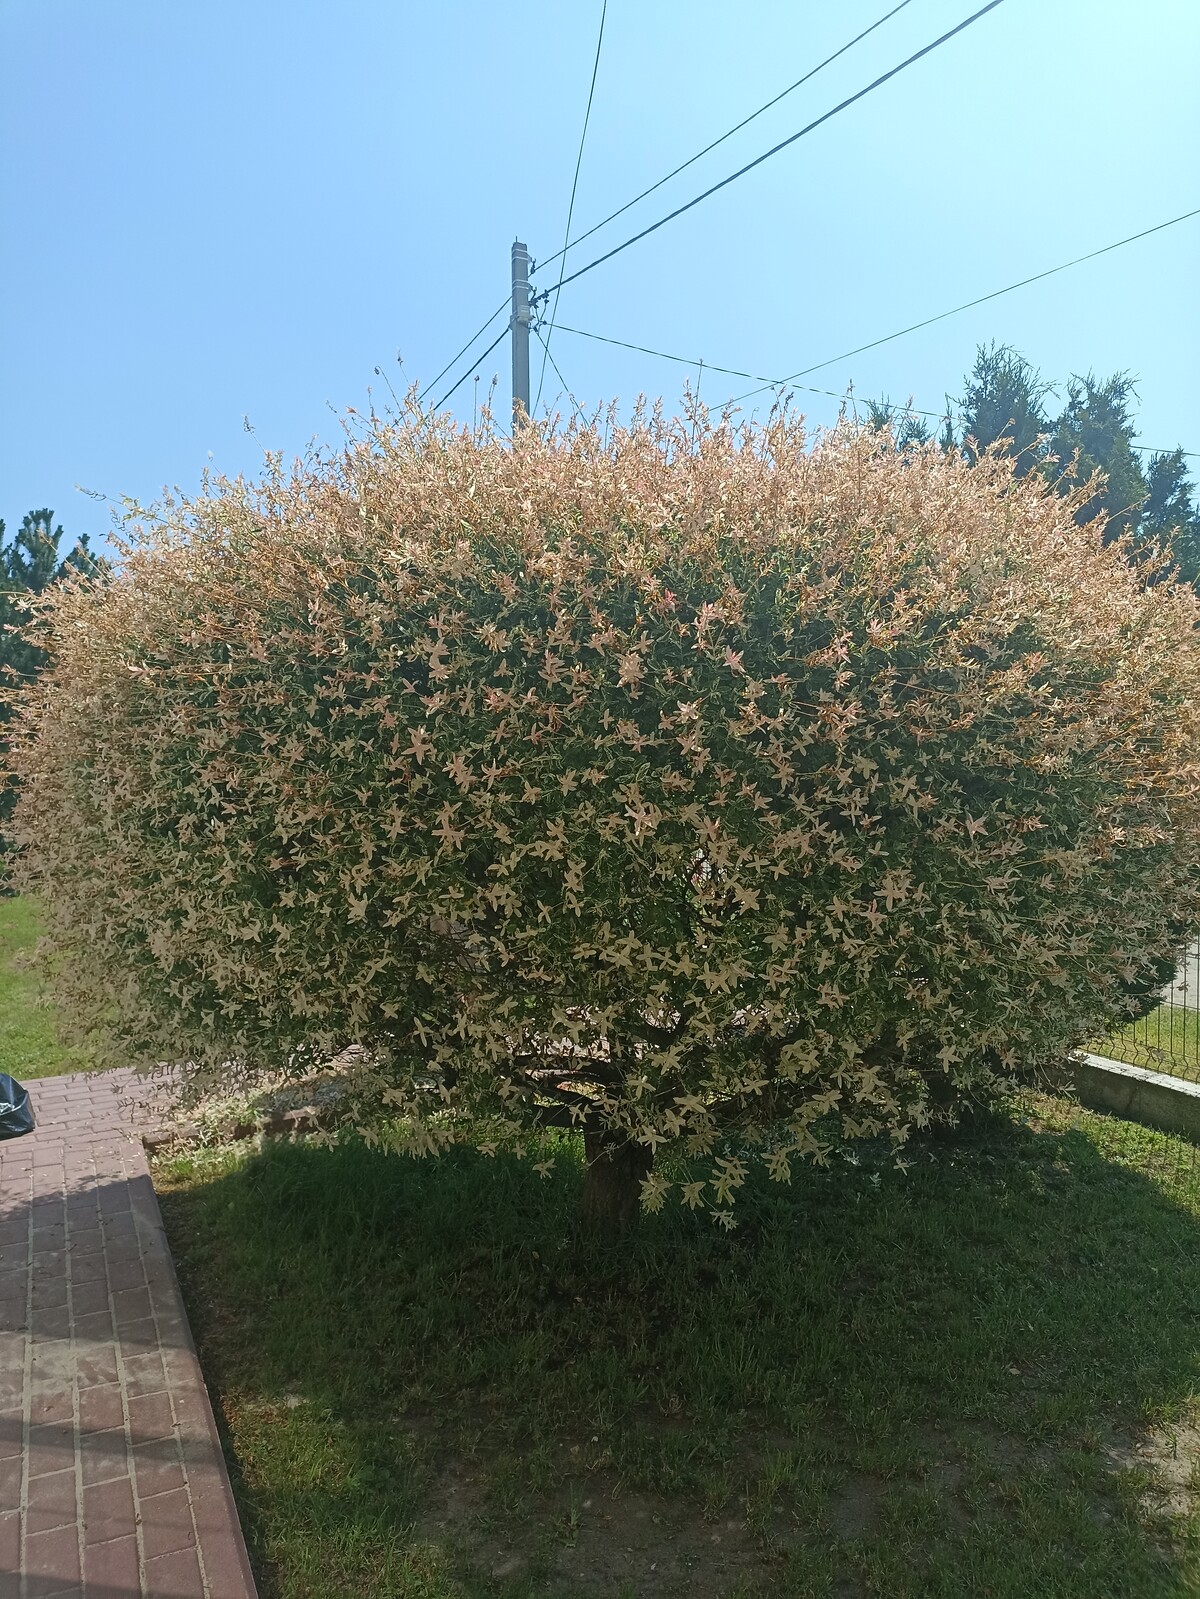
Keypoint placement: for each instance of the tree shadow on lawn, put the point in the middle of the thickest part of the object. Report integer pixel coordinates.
(979, 1377)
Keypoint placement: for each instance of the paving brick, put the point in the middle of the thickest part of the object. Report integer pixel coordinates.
(173, 1335)
(159, 1473)
(212, 1500)
(101, 1408)
(12, 1381)
(13, 1313)
(51, 1447)
(10, 1542)
(12, 1433)
(50, 1501)
(116, 1219)
(87, 1253)
(227, 1569)
(124, 1258)
(150, 1418)
(142, 1199)
(49, 1287)
(103, 1456)
(181, 1366)
(166, 1523)
(112, 1569)
(162, 1284)
(51, 1404)
(176, 1574)
(108, 1510)
(51, 1564)
(125, 1273)
(52, 1323)
(14, 1257)
(138, 1335)
(144, 1373)
(95, 1364)
(89, 1297)
(50, 1358)
(193, 1411)
(88, 1287)
(119, 1226)
(94, 1328)
(130, 1307)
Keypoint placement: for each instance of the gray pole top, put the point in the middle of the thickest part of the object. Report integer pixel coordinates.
(522, 316)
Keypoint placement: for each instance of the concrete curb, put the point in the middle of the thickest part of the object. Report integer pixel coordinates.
(278, 1124)
(1152, 1098)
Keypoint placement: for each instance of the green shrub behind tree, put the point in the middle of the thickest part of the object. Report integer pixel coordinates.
(29, 563)
(1004, 407)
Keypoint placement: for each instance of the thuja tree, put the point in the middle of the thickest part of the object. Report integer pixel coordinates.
(29, 562)
(707, 790)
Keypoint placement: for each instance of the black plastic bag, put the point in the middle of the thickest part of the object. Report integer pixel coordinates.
(16, 1112)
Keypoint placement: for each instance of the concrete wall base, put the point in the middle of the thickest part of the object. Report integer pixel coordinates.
(1152, 1098)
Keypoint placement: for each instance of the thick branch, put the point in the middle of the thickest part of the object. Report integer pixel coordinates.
(587, 1070)
(574, 1114)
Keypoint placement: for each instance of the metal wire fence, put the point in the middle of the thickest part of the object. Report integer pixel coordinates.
(1168, 1039)
(1148, 1127)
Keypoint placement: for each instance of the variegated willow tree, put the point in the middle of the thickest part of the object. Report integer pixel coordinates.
(703, 788)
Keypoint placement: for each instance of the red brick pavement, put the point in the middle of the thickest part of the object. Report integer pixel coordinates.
(112, 1481)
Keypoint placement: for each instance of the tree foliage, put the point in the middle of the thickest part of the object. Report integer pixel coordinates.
(1004, 399)
(1094, 436)
(29, 563)
(1004, 407)
(906, 428)
(1170, 511)
(691, 786)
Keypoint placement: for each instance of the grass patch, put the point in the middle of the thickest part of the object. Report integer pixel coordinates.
(29, 1041)
(1168, 1040)
(982, 1378)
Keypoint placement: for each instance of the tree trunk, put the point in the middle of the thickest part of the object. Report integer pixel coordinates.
(612, 1182)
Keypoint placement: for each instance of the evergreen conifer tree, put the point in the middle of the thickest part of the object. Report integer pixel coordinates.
(29, 562)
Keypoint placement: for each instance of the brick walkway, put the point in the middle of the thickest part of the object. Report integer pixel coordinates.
(112, 1482)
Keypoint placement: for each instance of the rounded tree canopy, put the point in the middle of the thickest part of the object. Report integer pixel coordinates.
(660, 781)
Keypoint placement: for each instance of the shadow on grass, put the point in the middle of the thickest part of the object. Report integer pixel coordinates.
(928, 1384)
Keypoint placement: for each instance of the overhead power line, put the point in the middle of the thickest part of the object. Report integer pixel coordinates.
(465, 374)
(569, 243)
(545, 343)
(681, 360)
(777, 383)
(566, 390)
(775, 149)
(737, 128)
(968, 304)
(433, 382)
(730, 371)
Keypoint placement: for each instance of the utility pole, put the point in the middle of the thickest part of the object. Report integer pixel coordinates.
(522, 316)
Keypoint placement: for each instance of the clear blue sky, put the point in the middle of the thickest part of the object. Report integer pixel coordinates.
(216, 209)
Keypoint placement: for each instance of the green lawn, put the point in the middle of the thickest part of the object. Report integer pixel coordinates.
(29, 1045)
(979, 1379)
(928, 1385)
